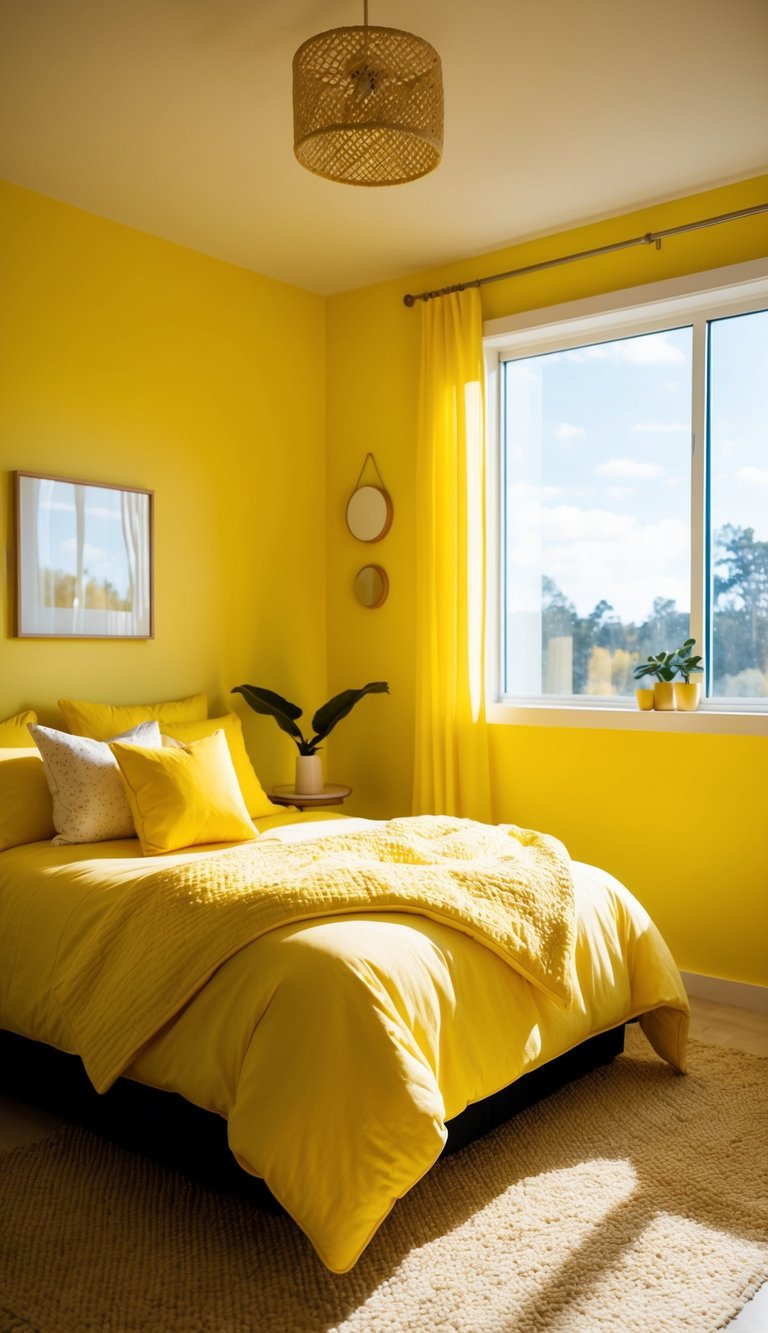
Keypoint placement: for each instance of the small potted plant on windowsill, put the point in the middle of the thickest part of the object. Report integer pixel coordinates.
(644, 697)
(662, 669)
(668, 692)
(687, 691)
(309, 769)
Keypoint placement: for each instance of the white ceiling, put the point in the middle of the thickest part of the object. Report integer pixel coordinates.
(174, 116)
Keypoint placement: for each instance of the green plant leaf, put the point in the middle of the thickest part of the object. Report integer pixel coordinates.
(340, 705)
(274, 705)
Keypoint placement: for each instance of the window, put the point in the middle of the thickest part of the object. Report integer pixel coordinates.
(631, 481)
(738, 505)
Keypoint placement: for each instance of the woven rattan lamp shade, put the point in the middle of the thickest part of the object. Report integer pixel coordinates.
(367, 106)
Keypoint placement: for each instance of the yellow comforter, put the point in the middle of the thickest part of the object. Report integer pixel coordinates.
(508, 888)
(336, 1046)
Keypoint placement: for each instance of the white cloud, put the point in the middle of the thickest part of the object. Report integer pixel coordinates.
(755, 476)
(662, 427)
(91, 554)
(523, 493)
(619, 492)
(628, 467)
(566, 431)
(651, 349)
(92, 511)
(597, 553)
(567, 524)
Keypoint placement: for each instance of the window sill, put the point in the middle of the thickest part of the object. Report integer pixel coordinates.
(705, 721)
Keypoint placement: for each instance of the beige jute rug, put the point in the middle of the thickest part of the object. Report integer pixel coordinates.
(634, 1200)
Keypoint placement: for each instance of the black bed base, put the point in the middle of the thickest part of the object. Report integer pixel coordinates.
(488, 1114)
(166, 1128)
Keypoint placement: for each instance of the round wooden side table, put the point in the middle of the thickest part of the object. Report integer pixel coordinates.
(333, 794)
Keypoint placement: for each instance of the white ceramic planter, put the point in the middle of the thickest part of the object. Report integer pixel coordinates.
(309, 775)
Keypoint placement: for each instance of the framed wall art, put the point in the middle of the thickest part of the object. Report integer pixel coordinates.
(84, 559)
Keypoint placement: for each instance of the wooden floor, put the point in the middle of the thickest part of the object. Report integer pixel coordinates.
(724, 1025)
(720, 1025)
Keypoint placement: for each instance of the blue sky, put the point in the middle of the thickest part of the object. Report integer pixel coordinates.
(599, 471)
(739, 422)
(104, 551)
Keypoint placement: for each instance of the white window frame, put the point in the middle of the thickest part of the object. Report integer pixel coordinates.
(692, 300)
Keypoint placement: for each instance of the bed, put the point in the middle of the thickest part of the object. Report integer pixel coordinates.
(337, 1041)
(346, 996)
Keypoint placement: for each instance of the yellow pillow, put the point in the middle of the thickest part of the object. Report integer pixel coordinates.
(13, 732)
(183, 796)
(102, 721)
(256, 800)
(26, 808)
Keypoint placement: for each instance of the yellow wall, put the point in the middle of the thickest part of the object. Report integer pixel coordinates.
(126, 359)
(693, 845)
(129, 360)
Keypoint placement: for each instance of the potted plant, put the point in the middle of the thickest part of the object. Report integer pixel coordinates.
(687, 691)
(662, 669)
(644, 696)
(309, 770)
(668, 692)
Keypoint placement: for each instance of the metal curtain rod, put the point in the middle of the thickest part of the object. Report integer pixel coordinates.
(650, 237)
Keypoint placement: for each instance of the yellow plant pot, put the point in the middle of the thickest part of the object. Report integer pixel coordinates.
(687, 695)
(644, 699)
(664, 696)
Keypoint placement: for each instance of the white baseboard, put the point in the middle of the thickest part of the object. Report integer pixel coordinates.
(738, 993)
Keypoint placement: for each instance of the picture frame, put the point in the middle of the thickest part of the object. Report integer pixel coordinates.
(84, 559)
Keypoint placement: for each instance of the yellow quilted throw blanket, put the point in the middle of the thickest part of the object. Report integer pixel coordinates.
(134, 964)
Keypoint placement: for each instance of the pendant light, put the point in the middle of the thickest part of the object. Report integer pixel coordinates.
(367, 105)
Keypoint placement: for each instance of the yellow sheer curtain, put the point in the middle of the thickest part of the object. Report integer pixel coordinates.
(451, 774)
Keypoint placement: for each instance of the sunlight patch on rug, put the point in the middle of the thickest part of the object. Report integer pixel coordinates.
(635, 1200)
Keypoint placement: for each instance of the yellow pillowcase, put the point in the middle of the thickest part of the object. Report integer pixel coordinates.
(256, 800)
(102, 721)
(26, 808)
(13, 732)
(183, 796)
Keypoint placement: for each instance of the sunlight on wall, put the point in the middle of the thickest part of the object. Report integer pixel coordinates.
(679, 818)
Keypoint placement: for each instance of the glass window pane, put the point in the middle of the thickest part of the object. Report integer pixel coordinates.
(596, 513)
(738, 405)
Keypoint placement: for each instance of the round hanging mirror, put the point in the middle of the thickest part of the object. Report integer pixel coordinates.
(371, 586)
(369, 513)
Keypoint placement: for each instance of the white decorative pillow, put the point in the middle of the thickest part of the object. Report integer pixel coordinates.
(89, 800)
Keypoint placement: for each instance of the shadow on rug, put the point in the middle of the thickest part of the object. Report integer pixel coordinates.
(634, 1199)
